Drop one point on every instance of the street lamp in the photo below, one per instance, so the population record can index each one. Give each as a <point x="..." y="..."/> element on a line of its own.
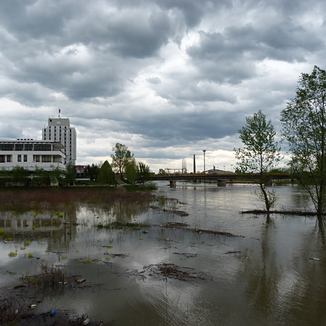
<point x="204" y="151"/>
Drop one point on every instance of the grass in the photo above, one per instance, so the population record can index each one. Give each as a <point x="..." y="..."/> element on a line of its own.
<point x="12" y="254"/>
<point x="141" y="187"/>
<point x="50" y="277"/>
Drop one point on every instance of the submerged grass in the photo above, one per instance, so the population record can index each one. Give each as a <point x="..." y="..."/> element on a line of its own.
<point x="50" y="277"/>
<point x="47" y="198"/>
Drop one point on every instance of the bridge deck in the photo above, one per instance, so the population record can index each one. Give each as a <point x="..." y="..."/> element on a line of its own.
<point x="231" y="177"/>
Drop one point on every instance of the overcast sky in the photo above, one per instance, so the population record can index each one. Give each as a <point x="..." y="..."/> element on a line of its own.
<point x="167" y="78"/>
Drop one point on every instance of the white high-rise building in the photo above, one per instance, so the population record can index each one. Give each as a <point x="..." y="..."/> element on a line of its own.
<point x="59" y="130"/>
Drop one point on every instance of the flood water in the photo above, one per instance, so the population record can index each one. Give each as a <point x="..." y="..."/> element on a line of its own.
<point x="273" y="275"/>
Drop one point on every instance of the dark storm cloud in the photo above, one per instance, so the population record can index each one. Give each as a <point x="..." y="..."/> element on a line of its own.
<point x="168" y="72"/>
<point x="230" y="56"/>
<point x="181" y="128"/>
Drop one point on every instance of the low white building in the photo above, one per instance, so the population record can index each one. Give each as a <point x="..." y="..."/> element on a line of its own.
<point x="31" y="154"/>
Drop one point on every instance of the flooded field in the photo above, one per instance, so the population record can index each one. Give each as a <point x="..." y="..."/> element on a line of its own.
<point x="185" y="257"/>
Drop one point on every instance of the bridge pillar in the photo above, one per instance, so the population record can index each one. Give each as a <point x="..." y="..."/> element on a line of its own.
<point x="173" y="183"/>
<point x="221" y="183"/>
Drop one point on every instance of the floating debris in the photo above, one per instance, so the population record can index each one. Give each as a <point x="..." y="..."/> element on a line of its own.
<point x="169" y="270"/>
<point x="186" y="254"/>
<point x="176" y="212"/>
<point x="174" y="225"/>
<point x="80" y="280"/>
<point x="121" y="225"/>
<point x="314" y="258"/>
<point x="116" y="255"/>
<point x="232" y="252"/>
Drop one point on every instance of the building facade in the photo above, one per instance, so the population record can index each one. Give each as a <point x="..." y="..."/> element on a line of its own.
<point x="31" y="155"/>
<point x="59" y="130"/>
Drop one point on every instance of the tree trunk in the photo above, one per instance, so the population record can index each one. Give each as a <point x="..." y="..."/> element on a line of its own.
<point x="266" y="200"/>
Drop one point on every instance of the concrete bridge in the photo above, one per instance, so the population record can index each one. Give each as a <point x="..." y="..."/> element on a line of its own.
<point x="220" y="178"/>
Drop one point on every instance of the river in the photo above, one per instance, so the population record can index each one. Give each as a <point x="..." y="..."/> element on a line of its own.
<point x="258" y="275"/>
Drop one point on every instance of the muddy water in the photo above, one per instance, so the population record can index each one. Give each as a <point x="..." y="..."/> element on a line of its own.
<point x="265" y="277"/>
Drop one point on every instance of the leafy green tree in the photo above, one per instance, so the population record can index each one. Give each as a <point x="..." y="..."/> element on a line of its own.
<point x="92" y="171"/>
<point x="121" y="157"/>
<point x="20" y="175"/>
<point x="105" y="174"/>
<point x="143" y="172"/>
<point x="70" y="174"/>
<point x="131" y="171"/>
<point x="259" y="154"/>
<point x="56" y="176"/>
<point x="304" y="127"/>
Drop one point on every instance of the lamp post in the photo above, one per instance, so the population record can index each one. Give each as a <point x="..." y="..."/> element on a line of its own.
<point x="204" y="151"/>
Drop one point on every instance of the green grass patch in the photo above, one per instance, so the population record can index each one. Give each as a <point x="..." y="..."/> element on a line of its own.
<point x="12" y="254"/>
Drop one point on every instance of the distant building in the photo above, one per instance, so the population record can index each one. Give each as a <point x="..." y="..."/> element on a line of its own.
<point x="216" y="171"/>
<point x="31" y="154"/>
<point x="59" y="130"/>
<point x="81" y="171"/>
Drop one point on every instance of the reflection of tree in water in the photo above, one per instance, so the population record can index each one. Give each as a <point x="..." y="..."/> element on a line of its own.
<point x="287" y="286"/>
<point x="305" y="300"/>
<point x="262" y="275"/>
<point x="120" y="210"/>
<point x="299" y="198"/>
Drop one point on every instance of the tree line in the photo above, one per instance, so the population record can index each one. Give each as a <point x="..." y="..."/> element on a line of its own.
<point x="303" y="123"/>
<point x="123" y="169"/>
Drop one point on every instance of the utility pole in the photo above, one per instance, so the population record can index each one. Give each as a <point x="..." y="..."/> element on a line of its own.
<point x="194" y="163"/>
<point x="204" y="151"/>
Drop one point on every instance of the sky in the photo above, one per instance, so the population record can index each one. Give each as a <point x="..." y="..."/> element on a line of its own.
<point x="167" y="78"/>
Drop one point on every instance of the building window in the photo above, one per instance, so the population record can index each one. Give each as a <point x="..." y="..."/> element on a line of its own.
<point x="9" y="158"/>
<point x="42" y="147"/>
<point x="19" y="158"/>
<point x="2" y="158"/>
<point x="25" y="158"/>
<point x="19" y="147"/>
<point x="46" y="158"/>
<point x="28" y="147"/>
<point x="6" y="147"/>
<point x="36" y="158"/>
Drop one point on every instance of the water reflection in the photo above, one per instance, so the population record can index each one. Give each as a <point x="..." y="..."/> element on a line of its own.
<point x="266" y="278"/>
